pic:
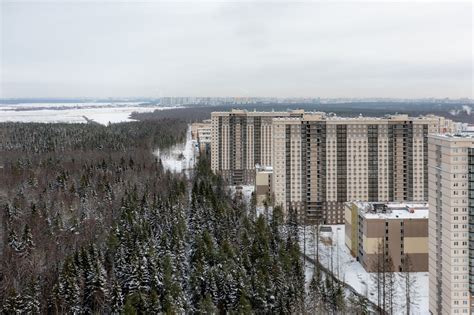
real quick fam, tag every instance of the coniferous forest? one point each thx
(92, 223)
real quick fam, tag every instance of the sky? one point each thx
(75, 48)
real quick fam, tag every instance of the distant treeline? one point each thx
(199, 112)
(40, 138)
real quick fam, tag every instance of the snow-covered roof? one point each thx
(393, 210)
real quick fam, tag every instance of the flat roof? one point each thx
(393, 210)
(454, 136)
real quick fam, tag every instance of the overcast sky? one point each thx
(308, 49)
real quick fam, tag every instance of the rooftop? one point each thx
(455, 136)
(393, 210)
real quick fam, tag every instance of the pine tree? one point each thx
(13, 303)
(68, 289)
(207, 306)
(314, 297)
(31, 301)
(27, 243)
(13, 241)
(117, 299)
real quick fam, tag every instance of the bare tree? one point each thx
(409, 285)
(390, 286)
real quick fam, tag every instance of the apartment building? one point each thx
(241, 139)
(451, 223)
(396, 230)
(321, 162)
(201, 133)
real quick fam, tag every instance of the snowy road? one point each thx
(338, 258)
(180, 157)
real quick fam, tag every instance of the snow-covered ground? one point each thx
(179, 157)
(246, 191)
(262, 211)
(102, 113)
(347, 269)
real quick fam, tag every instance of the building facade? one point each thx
(381, 230)
(201, 133)
(240, 140)
(451, 223)
(263, 186)
(322, 162)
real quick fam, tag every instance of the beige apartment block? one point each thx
(322, 161)
(240, 140)
(396, 230)
(451, 223)
(349, 159)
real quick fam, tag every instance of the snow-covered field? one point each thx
(102, 113)
(179, 157)
(347, 269)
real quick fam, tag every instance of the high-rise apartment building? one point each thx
(240, 140)
(322, 162)
(451, 223)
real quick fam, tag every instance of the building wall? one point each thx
(349, 159)
(322, 162)
(399, 237)
(287, 165)
(263, 187)
(240, 140)
(449, 267)
(351, 219)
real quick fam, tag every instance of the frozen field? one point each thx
(102, 113)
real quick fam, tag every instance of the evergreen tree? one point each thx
(27, 240)
(68, 289)
(31, 301)
(117, 299)
(13, 303)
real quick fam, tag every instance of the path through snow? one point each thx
(180, 157)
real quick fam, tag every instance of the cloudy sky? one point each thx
(240, 48)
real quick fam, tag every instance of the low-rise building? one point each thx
(263, 186)
(395, 230)
(201, 133)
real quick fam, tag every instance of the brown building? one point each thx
(263, 186)
(396, 230)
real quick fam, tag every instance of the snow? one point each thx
(347, 269)
(395, 210)
(102, 113)
(261, 211)
(180, 157)
(246, 191)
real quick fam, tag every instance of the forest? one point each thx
(92, 223)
